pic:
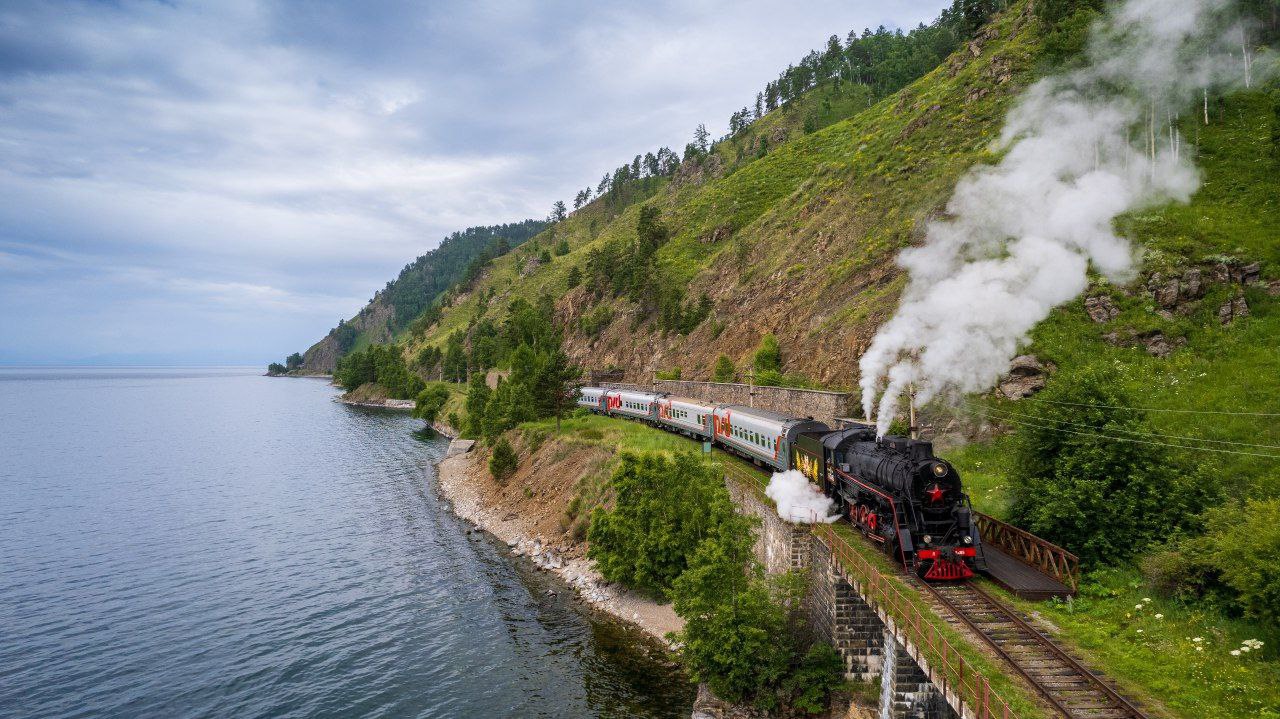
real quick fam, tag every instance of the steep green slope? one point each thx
(798, 241)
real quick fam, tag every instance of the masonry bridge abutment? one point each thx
(868, 640)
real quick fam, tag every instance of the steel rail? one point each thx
(1044, 642)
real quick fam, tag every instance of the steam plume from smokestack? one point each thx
(1020, 236)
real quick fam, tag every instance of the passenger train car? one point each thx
(686, 416)
(893, 489)
(591, 398)
(760, 435)
(636, 405)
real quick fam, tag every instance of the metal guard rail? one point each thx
(1045, 556)
(947, 667)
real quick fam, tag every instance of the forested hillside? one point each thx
(405, 299)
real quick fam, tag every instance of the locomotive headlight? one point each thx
(968, 539)
(928, 539)
(939, 469)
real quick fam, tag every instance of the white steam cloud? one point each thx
(798, 501)
(1020, 236)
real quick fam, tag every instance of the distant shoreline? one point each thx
(299, 373)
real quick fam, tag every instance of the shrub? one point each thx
(819, 673)
(744, 634)
(1244, 546)
(664, 508)
(534, 439)
(597, 319)
(478, 394)
(736, 649)
(503, 462)
(1079, 484)
(724, 370)
(673, 373)
(768, 356)
(380, 364)
(430, 401)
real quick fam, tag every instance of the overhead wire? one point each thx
(1132, 431)
(1128, 439)
(1155, 409)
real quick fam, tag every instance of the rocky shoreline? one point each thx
(400, 404)
(462, 474)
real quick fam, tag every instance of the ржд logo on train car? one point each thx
(724, 426)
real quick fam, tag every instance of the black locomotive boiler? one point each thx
(897, 493)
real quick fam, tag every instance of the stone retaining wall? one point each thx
(780, 546)
(819, 404)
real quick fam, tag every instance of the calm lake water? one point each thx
(211, 543)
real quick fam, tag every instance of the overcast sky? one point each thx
(223, 181)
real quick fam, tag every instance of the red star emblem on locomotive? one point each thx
(935, 493)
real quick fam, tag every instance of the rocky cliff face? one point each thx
(371, 322)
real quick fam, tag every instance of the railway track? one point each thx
(1068, 686)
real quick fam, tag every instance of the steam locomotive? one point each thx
(892, 489)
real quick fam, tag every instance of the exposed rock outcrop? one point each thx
(1156, 343)
(372, 320)
(718, 234)
(1027, 375)
(1237, 274)
(1177, 293)
(1174, 294)
(709, 706)
(708, 168)
(1100, 308)
(1233, 309)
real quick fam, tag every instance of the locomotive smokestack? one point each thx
(911, 410)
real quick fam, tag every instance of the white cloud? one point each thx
(306, 147)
